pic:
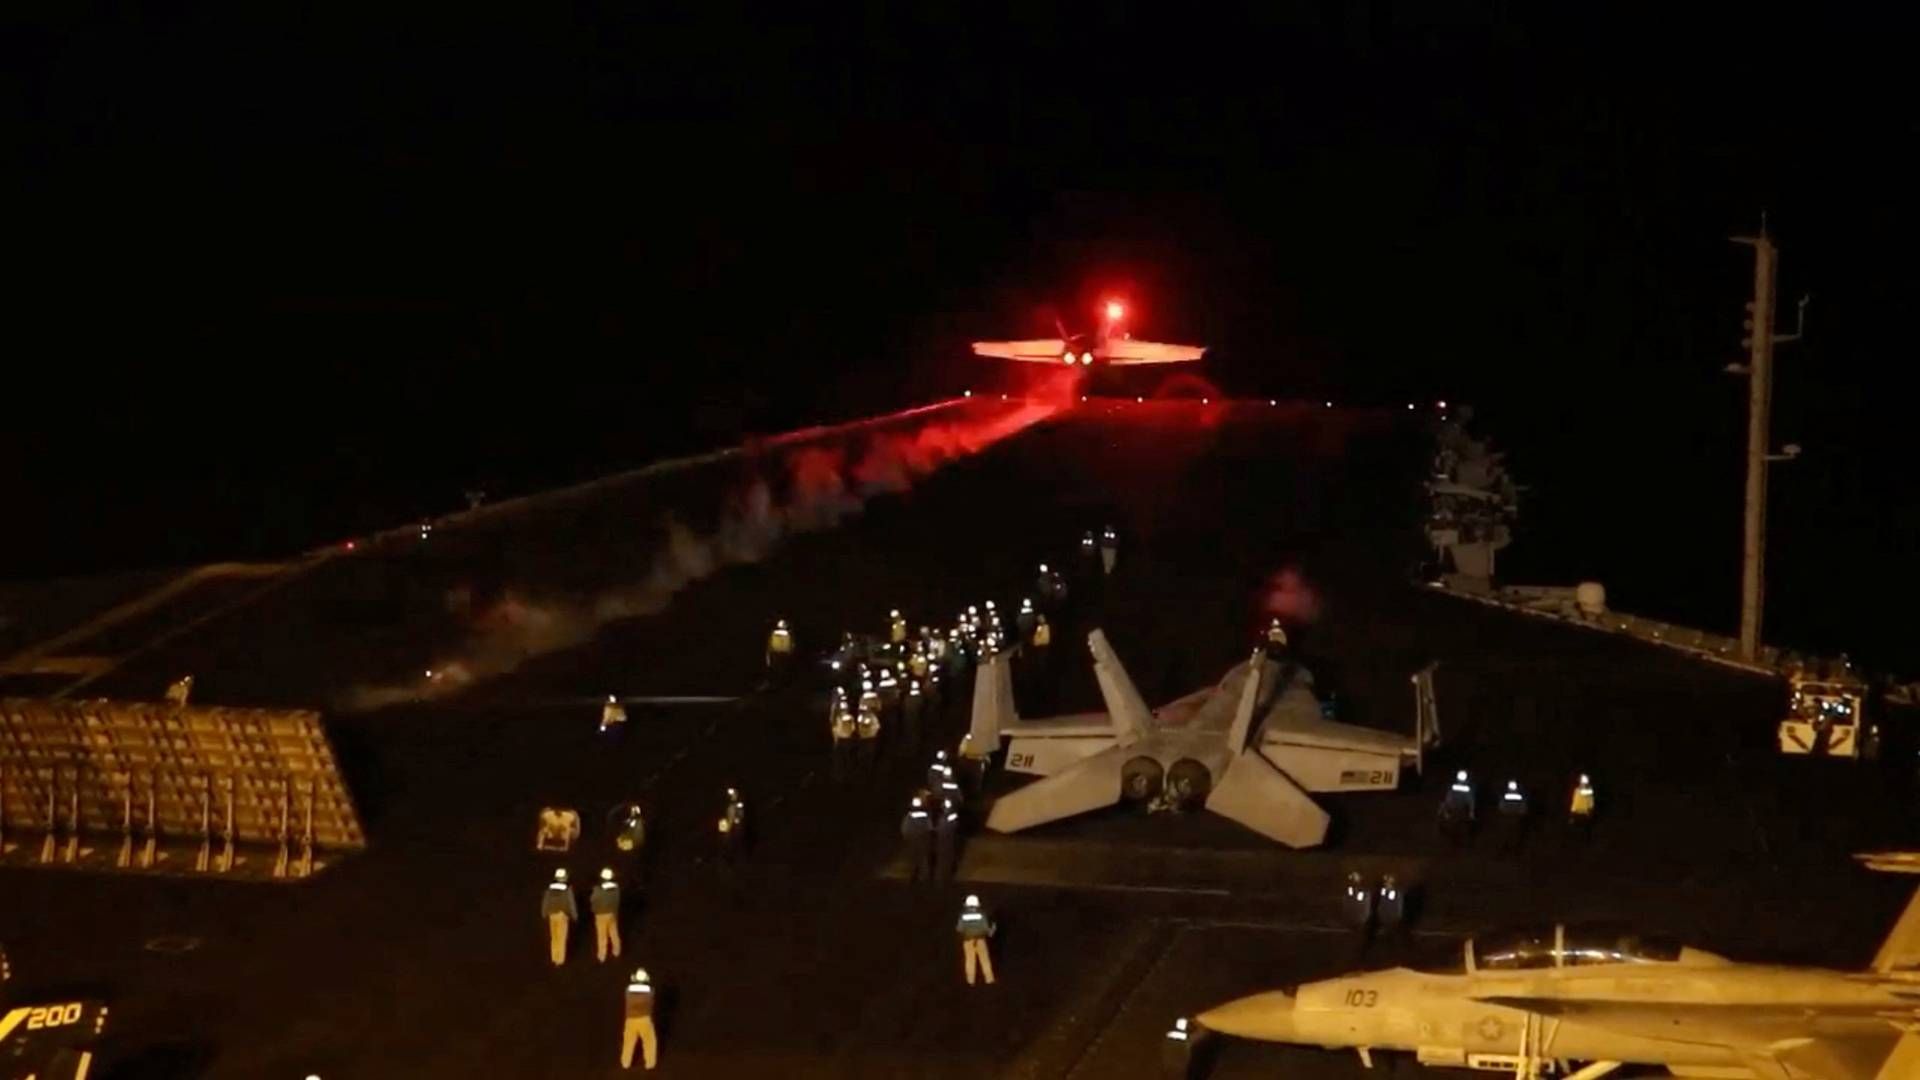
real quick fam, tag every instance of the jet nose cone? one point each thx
(1261, 1016)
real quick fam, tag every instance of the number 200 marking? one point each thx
(1363, 999)
(46, 1016)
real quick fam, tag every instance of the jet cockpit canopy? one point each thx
(1535, 948)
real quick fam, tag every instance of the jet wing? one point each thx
(1901, 950)
(1259, 796)
(1089, 785)
(1038, 350)
(1334, 735)
(1092, 725)
(1904, 1061)
(1129, 351)
(1055, 744)
(1295, 719)
(1837, 1059)
(1786, 1042)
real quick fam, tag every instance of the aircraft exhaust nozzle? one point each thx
(1267, 1016)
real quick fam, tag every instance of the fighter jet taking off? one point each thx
(1525, 1001)
(1109, 344)
(1248, 749)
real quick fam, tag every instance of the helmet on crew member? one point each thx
(606, 874)
(560, 874)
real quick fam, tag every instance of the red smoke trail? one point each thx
(827, 477)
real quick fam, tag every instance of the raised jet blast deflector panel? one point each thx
(116, 770)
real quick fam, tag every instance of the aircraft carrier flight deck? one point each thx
(423, 956)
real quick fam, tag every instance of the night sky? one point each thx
(284, 275)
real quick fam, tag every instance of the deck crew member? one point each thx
(556, 903)
(840, 724)
(639, 1025)
(1390, 905)
(916, 829)
(1357, 902)
(946, 841)
(975, 929)
(779, 648)
(605, 903)
(1457, 809)
(732, 827)
(1580, 807)
(1513, 814)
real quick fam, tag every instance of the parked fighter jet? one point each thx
(1110, 344)
(49, 1041)
(1525, 1001)
(1249, 749)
